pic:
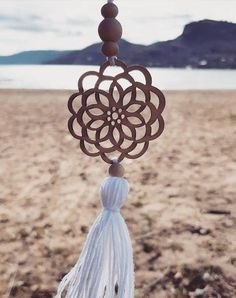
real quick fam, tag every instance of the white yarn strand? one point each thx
(106, 262)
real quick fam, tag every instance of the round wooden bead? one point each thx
(109, 10)
(110, 49)
(116, 170)
(110, 30)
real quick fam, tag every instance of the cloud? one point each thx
(23, 23)
(16, 19)
(37, 24)
(81, 21)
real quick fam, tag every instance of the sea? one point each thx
(66, 77)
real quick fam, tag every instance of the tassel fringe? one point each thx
(105, 267)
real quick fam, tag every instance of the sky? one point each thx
(72, 24)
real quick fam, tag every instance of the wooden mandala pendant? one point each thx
(120, 114)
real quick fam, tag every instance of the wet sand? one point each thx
(181, 207)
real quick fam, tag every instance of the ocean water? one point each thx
(66, 77)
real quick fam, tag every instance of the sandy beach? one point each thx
(181, 211)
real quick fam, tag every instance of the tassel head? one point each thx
(114, 192)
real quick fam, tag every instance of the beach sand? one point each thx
(181, 207)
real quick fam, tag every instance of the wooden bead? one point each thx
(116, 170)
(109, 10)
(110, 49)
(110, 30)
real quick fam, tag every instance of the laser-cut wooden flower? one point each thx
(121, 120)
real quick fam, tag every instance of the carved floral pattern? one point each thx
(123, 119)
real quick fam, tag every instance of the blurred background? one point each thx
(173, 35)
(181, 207)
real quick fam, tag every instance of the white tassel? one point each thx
(105, 268)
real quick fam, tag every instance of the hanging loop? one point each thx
(112, 60)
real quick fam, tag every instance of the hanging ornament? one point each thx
(118, 116)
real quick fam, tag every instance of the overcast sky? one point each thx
(72, 24)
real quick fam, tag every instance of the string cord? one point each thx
(112, 59)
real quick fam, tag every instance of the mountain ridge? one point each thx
(203, 44)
